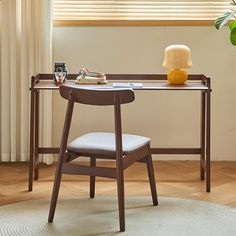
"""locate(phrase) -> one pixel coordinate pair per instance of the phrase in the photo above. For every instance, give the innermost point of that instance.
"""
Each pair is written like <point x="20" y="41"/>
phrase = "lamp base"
<point x="177" y="76"/>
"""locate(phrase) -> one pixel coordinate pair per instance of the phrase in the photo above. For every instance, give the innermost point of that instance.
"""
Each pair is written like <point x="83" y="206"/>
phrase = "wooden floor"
<point x="174" y="179"/>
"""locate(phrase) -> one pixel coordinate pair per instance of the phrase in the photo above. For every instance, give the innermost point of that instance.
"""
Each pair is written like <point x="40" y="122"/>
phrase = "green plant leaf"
<point x="232" y="25"/>
<point x="233" y="2"/>
<point x="233" y="36"/>
<point x="222" y="20"/>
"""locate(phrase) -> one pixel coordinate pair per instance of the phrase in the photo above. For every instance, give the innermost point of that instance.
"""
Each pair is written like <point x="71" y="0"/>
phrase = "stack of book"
<point x="87" y="77"/>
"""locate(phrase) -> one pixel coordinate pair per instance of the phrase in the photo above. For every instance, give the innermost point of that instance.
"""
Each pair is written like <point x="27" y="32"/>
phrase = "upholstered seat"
<point x="104" y="143"/>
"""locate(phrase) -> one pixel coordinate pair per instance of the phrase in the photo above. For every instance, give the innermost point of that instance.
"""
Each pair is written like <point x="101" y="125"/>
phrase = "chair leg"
<point x="92" y="178"/>
<point x="56" y="187"/>
<point x="121" y="200"/>
<point x="152" y="179"/>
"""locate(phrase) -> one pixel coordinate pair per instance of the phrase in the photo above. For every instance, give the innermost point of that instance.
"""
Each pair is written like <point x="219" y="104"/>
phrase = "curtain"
<point x="26" y="32"/>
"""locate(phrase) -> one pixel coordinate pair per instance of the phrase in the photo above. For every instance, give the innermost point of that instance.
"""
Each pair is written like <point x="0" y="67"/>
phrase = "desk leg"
<point x="31" y="160"/>
<point x="208" y="144"/>
<point x="36" y="156"/>
<point x="203" y="135"/>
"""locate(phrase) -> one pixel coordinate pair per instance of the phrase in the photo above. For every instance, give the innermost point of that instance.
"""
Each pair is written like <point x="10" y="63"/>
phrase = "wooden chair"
<point x="123" y="148"/>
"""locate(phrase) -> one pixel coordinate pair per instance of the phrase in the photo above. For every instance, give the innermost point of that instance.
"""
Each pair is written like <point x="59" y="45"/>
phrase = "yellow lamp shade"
<point x="177" y="57"/>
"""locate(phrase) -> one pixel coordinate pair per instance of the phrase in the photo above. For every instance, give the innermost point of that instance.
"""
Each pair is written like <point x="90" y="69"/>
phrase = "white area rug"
<point x="99" y="216"/>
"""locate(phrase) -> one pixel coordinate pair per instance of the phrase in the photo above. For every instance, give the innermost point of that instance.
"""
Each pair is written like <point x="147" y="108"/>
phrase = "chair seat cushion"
<point x="104" y="143"/>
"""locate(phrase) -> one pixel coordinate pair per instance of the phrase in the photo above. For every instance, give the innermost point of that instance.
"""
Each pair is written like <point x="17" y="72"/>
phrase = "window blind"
<point x="154" y="11"/>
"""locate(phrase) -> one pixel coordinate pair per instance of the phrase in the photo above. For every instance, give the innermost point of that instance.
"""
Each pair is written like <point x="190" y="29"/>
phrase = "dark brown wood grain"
<point x="155" y="82"/>
<point x="126" y="76"/>
<point x="114" y="97"/>
<point x="96" y="97"/>
<point x="61" y="160"/>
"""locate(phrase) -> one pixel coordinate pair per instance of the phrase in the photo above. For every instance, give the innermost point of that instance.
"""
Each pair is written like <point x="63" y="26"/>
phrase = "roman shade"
<point x="153" y="12"/>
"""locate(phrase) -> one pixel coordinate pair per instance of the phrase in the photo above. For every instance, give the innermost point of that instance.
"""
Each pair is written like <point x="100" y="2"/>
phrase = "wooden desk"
<point x="197" y="82"/>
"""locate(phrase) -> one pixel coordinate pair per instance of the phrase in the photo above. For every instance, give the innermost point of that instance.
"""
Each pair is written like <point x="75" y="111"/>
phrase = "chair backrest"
<point x="100" y="96"/>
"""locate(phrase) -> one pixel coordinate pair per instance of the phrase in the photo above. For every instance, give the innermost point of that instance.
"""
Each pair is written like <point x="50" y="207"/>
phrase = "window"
<point x="137" y="12"/>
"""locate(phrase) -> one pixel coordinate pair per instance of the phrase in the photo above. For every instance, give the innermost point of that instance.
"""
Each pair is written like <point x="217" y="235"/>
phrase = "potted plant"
<point x="224" y="19"/>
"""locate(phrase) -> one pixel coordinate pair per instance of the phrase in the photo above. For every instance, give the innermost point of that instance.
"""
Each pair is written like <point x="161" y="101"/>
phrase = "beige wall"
<point x="175" y="115"/>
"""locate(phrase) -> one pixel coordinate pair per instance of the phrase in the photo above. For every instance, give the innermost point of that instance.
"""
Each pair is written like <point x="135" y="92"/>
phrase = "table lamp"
<point x="177" y="59"/>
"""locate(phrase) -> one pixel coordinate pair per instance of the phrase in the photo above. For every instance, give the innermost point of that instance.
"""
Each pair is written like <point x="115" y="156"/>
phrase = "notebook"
<point x="127" y="85"/>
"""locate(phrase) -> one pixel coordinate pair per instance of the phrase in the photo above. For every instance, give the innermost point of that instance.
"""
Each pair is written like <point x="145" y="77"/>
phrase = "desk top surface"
<point x="146" y="85"/>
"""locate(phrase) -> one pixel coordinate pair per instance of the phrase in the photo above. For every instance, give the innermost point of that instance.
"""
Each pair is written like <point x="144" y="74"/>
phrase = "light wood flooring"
<point x="174" y="179"/>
